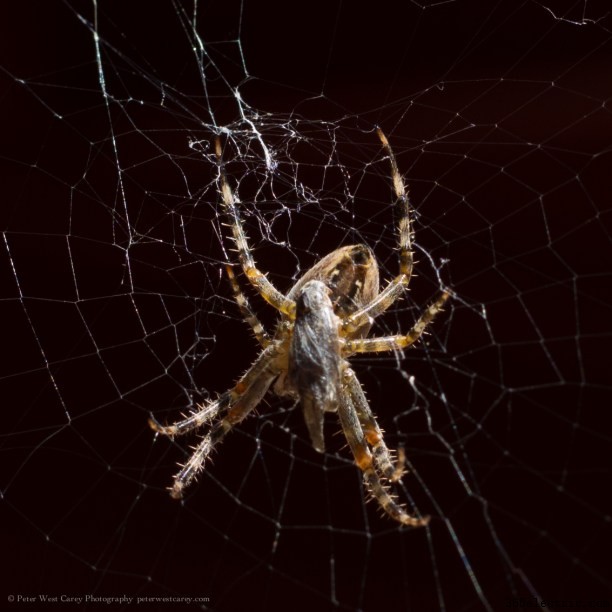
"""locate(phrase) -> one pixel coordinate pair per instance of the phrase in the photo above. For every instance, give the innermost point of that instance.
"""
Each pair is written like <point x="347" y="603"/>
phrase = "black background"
<point x="83" y="508"/>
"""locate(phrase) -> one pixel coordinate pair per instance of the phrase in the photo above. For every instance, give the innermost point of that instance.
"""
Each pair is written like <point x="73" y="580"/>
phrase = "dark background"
<point x="114" y="305"/>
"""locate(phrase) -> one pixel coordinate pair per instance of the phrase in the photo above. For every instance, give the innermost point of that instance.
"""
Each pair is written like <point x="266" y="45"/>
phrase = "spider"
<point x="324" y="319"/>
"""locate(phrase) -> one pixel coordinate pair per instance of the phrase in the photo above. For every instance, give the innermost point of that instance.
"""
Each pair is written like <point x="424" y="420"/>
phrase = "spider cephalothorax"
<point x="325" y="318"/>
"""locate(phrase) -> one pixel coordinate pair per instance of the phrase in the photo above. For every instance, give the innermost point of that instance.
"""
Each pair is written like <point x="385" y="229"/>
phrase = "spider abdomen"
<point x="315" y="361"/>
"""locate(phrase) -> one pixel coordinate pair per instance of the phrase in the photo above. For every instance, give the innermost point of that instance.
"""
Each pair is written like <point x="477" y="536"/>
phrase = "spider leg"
<point x="396" y="287"/>
<point x="263" y="364"/>
<point x="239" y="410"/>
<point x="205" y="413"/>
<point x="391" y="343"/>
<point x="373" y="433"/>
<point x="257" y="278"/>
<point x="351" y="425"/>
<point x="245" y="308"/>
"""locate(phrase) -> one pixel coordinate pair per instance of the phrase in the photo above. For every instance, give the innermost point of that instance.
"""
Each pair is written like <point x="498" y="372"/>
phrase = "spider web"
<point x="116" y="304"/>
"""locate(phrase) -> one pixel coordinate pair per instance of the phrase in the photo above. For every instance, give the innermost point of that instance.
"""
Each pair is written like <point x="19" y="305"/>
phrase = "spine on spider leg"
<point x="246" y="310"/>
<point x="243" y="398"/>
<point x="350" y="421"/>
<point x="229" y="203"/>
<point x="383" y="460"/>
<point x="399" y="342"/>
<point x="390" y="469"/>
<point x="427" y="317"/>
<point x="397" y="286"/>
<point x="381" y="494"/>
<point x="256" y="278"/>
<point x="195" y="464"/>
<point x="403" y="200"/>
<point x="190" y="470"/>
<point x="400" y="465"/>
<point x="203" y="414"/>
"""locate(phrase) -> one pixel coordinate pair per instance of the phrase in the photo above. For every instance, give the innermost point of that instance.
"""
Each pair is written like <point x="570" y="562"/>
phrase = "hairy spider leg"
<point x="373" y="434"/>
<point x="351" y="425"/>
<point x="396" y="286"/>
<point x="203" y="415"/>
<point x="237" y="412"/>
<point x="257" y="278"/>
<point x="245" y="308"/>
<point x="392" y="343"/>
<point x="209" y="411"/>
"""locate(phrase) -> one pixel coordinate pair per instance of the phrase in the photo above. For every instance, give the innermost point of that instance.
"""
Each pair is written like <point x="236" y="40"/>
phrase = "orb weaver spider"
<point x="324" y="319"/>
